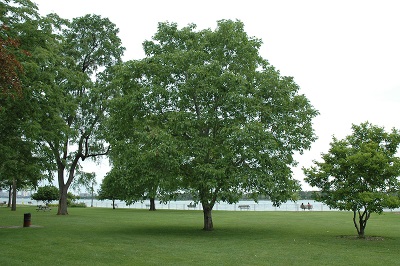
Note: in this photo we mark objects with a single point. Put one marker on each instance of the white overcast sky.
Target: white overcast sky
(344, 54)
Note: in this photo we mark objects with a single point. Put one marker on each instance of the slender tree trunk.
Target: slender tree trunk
(208, 223)
(355, 222)
(9, 196)
(152, 204)
(91, 190)
(113, 203)
(14, 195)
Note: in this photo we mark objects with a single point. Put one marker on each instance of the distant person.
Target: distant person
(302, 206)
(309, 206)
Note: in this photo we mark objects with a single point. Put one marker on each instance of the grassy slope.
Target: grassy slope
(98, 236)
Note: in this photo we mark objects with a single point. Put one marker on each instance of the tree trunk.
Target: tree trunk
(14, 195)
(91, 190)
(361, 233)
(362, 222)
(152, 204)
(208, 223)
(62, 202)
(63, 187)
(113, 203)
(9, 196)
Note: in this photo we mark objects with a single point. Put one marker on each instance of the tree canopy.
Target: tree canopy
(360, 173)
(222, 113)
(112, 188)
(20, 34)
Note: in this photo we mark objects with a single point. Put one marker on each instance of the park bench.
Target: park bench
(191, 205)
(43, 208)
(3, 203)
(244, 207)
(306, 207)
(115, 205)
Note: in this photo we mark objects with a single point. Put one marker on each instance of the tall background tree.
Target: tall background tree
(359, 173)
(70, 105)
(232, 119)
(87, 181)
(112, 188)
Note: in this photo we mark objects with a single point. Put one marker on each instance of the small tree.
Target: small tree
(359, 173)
(46, 194)
(111, 189)
(87, 180)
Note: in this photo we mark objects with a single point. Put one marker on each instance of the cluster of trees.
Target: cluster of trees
(202, 114)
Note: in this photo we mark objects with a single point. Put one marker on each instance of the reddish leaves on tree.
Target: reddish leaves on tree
(11, 68)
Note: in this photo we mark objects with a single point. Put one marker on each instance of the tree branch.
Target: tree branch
(96, 154)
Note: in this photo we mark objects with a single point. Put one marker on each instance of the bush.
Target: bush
(80, 204)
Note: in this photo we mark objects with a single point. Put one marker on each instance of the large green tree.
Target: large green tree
(70, 103)
(359, 173)
(233, 120)
(20, 34)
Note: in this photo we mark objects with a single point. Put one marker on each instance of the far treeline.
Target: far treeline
(202, 113)
(301, 195)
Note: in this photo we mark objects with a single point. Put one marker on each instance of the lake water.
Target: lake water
(262, 205)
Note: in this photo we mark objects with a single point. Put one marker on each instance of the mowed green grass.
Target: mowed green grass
(100, 236)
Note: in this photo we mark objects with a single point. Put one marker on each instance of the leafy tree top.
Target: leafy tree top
(46, 194)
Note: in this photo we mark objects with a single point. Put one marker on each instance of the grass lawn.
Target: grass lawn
(100, 236)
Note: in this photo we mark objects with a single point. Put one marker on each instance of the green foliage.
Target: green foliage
(111, 188)
(67, 102)
(210, 116)
(77, 205)
(46, 194)
(359, 173)
(85, 180)
(19, 34)
(306, 195)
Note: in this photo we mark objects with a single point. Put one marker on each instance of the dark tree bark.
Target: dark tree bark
(152, 204)
(208, 223)
(14, 195)
(63, 203)
(9, 196)
(362, 221)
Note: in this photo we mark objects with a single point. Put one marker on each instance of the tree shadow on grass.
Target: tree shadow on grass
(366, 238)
(192, 231)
